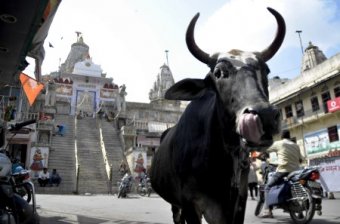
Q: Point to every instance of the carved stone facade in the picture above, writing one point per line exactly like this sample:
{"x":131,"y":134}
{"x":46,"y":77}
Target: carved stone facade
{"x":80,"y":88}
{"x":163,"y":82}
{"x":312,"y":57}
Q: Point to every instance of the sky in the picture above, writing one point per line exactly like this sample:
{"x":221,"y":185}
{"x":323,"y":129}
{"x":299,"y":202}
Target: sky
{"x":128,"y":38}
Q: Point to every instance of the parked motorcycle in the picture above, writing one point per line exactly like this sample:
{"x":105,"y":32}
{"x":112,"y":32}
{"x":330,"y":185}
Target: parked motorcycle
{"x":14,"y":204}
{"x":124,"y":186}
{"x":23,"y":183}
{"x":144,"y":187}
{"x":301,"y":198}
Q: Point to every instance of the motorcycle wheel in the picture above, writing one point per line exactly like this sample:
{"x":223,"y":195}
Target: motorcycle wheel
{"x":141,"y":191}
{"x":307,"y":213}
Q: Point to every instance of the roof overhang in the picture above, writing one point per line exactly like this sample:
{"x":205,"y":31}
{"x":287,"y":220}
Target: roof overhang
{"x":24,"y":26}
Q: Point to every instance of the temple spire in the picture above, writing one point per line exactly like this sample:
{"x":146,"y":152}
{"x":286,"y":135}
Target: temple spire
{"x":312,"y":57}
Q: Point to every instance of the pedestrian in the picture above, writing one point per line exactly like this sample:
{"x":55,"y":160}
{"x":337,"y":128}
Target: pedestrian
{"x":55,"y":178}
{"x":142,"y":175}
{"x":252,"y":179}
{"x":122,"y":168}
{"x":289,"y":158}
{"x":44,"y":177}
{"x":61,"y":130}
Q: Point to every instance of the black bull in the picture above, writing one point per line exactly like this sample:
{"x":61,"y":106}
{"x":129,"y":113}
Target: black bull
{"x":201,"y":166}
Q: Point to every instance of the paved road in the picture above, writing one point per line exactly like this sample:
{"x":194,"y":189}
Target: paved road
{"x":104,"y":209}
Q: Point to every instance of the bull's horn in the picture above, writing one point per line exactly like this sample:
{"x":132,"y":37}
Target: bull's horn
{"x":192,"y":46}
{"x":269,"y":52}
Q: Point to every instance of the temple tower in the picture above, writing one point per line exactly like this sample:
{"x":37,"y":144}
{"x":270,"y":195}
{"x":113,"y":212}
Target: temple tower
{"x":164,"y":81}
{"x":312,"y":57}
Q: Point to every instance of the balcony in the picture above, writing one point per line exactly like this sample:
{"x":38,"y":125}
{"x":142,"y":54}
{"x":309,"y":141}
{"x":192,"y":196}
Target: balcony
{"x":308,"y":117}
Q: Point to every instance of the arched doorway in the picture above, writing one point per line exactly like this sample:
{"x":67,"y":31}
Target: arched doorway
{"x":86,"y":103}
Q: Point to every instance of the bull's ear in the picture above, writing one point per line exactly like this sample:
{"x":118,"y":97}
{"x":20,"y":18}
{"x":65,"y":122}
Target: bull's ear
{"x":186,"y":89}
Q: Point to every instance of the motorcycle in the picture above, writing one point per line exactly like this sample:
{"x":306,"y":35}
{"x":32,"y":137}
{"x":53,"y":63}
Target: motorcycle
{"x":124,"y":186}
{"x":15,"y":206}
{"x":144,"y":187}
{"x":301,"y":198}
{"x":23,"y":183}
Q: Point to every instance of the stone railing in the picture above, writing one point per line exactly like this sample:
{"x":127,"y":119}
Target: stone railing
{"x":140,"y":124}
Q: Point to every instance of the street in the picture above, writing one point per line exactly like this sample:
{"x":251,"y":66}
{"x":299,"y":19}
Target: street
{"x":106,"y":209}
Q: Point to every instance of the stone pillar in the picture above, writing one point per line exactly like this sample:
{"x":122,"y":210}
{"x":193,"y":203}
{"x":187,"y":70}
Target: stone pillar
{"x":50,"y":97}
{"x":122,"y":104}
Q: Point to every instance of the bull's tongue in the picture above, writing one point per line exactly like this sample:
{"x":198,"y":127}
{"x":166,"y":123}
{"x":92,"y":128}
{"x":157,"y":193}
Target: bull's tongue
{"x":250,"y":127}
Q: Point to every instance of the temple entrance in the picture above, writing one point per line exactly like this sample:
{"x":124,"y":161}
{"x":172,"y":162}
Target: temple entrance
{"x":86,"y":103}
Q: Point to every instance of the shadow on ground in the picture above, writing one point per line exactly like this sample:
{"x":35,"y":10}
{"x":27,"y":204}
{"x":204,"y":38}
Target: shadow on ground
{"x":288,"y":220}
{"x":84,"y":220}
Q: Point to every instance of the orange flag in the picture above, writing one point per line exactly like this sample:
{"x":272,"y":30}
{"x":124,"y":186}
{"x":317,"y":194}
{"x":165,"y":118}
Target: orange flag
{"x":31,"y":87}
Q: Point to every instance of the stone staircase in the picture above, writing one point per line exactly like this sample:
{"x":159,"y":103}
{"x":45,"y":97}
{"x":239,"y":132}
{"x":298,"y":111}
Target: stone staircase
{"x":62,"y":158}
{"x":113,"y":148}
{"x":92,"y":173}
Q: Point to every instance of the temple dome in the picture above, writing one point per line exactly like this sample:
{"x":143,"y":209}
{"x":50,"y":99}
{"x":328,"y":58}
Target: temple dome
{"x":87,"y":68}
{"x":79,"y":52}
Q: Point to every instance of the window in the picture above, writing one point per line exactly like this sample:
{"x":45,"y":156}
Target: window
{"x":333,"y":134}
{"x":337,"y":91}
{"x":289,"y":111}
{"x":315,"y":103}
{"x":299,"y":108}
{"x":325,"y":96}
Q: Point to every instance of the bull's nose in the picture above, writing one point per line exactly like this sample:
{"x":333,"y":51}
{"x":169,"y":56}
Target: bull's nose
{"x":271,"y":117}
{"x":268,"y":113}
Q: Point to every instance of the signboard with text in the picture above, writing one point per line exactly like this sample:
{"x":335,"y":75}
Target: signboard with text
{"x":333,"y":105}
{"x":318,"y":143}
{"x":329,"y":173}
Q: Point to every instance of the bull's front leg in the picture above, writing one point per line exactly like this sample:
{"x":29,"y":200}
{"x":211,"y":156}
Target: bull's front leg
{"x":190,"y":214}
{"x":177,"y":216}
{"x":243,"y":192}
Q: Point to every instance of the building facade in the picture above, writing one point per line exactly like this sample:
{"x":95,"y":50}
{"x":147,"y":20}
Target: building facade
{"x":80,"y":88}
{"x":310,"y":108}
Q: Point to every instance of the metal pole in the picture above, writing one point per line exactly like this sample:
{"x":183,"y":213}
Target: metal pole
{"x":19,"y":112}
{"x":110,"y":179}
{"x":167,"y":59}
{"x":299,"y":33}
{"x":77,"y":180}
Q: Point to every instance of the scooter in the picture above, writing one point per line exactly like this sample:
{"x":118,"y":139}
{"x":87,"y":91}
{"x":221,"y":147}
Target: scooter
{"x":124,"y":186}
{"x":299,"y":194}
{"x":23,"y":184}
{"x":144,"y":187}
{"x":13,"y":207}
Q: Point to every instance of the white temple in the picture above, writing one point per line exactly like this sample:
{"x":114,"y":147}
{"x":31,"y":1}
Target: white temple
{"x":83,"y":86}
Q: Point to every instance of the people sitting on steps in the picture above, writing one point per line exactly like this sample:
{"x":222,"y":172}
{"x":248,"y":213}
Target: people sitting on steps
{"x":44,"y":177}
{"x":55,"y":178}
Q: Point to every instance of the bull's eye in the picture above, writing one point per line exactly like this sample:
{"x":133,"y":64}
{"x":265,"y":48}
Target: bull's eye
{"x":225,"y":74}
{"x":221,"y":72}
{"x":223,"y":69}
{"x":218,"y":73}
